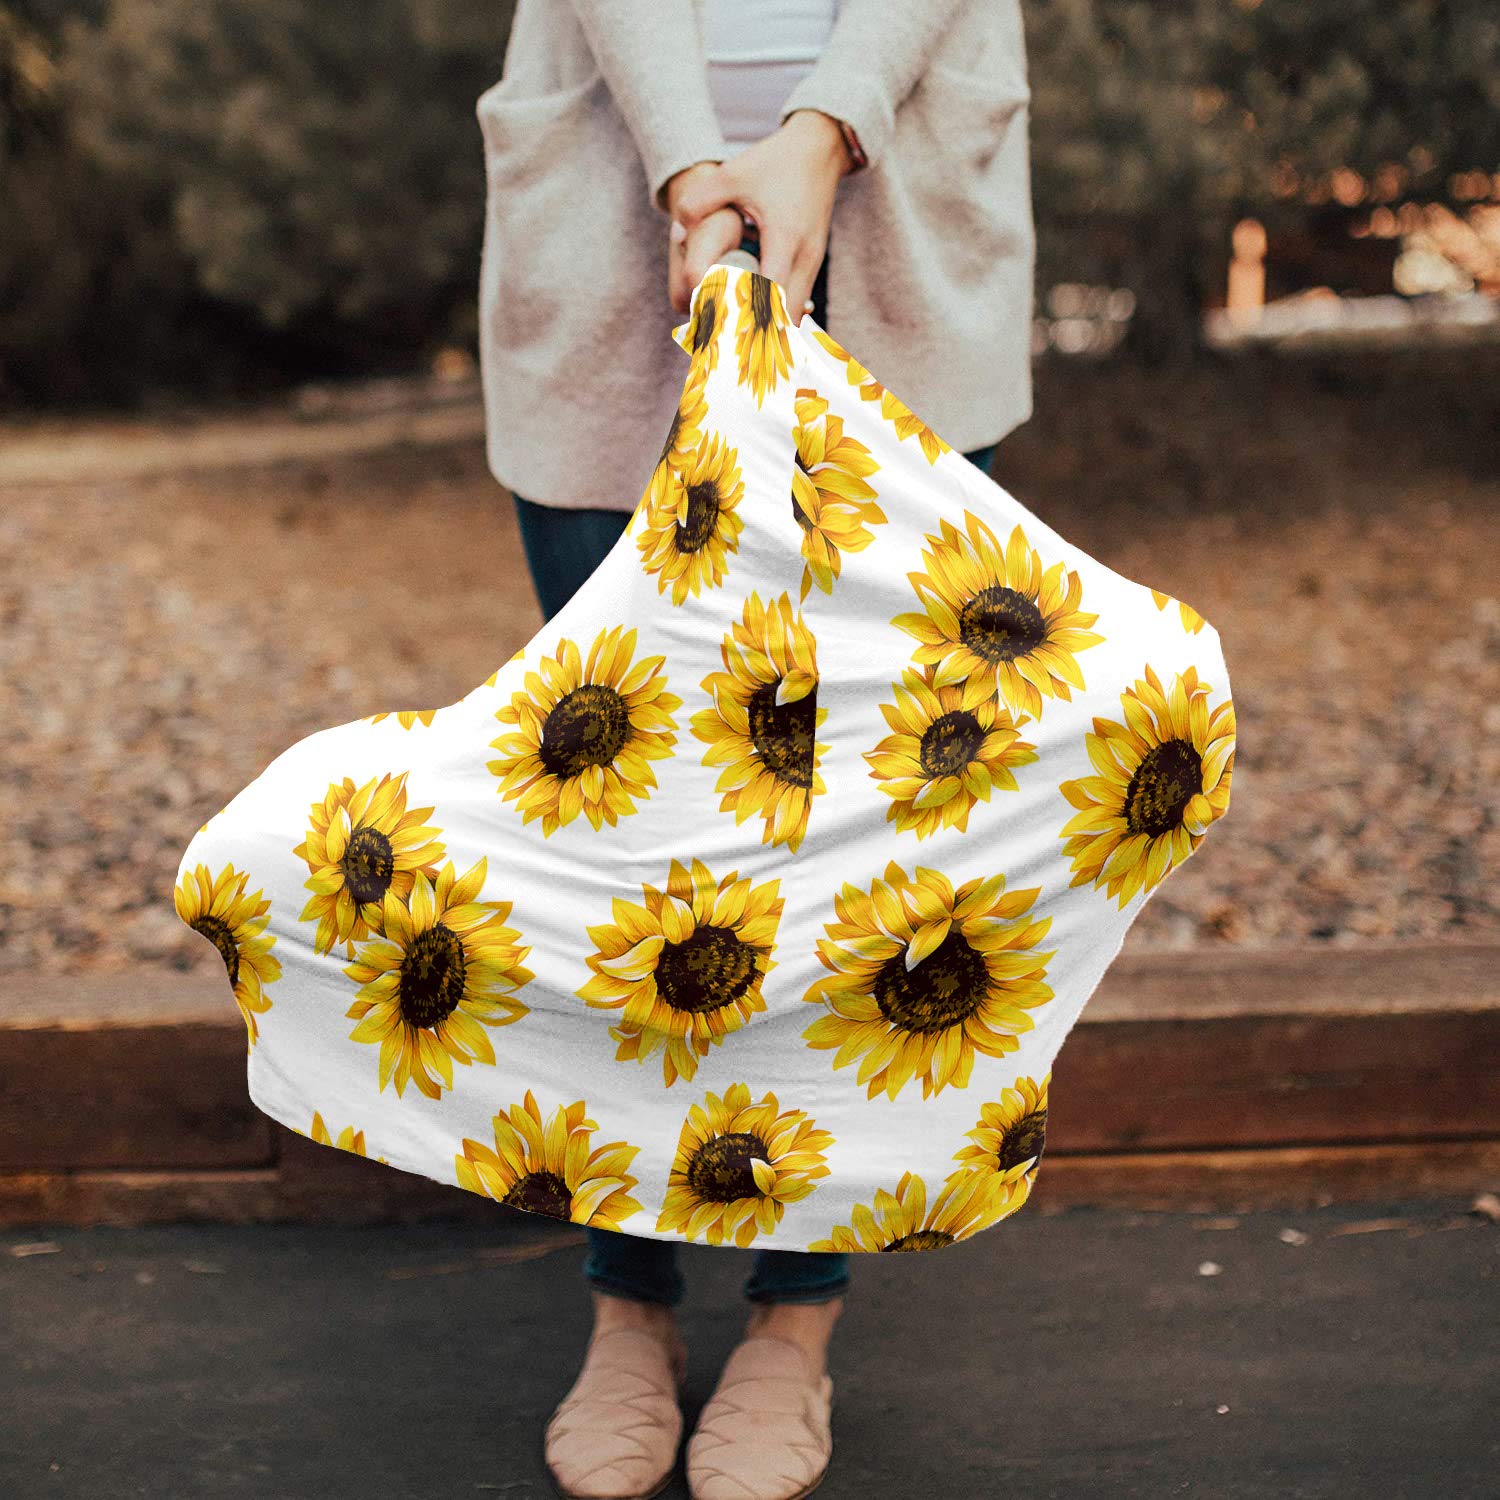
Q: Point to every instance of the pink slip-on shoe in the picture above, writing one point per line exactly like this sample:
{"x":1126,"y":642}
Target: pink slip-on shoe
{"x":765,"y":1433}
{"x":614,"y":1436}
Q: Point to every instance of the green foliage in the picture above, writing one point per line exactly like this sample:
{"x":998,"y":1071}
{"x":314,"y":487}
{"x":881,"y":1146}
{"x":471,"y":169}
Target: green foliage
{"x":302,"y":184}
{"x":1133,"y":98}
{"x":319,"y":167}
{"x":1156,"y":125}
{"x":84,"y":282}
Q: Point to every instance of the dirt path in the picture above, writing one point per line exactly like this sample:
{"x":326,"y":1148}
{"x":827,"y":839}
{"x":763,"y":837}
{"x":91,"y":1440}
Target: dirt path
{"x":167,"y":630}
{"x":314,"y":427}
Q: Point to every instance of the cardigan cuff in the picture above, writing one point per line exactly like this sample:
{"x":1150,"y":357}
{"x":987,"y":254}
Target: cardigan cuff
{"x":672,"y":154}
{"x":860,"y":101}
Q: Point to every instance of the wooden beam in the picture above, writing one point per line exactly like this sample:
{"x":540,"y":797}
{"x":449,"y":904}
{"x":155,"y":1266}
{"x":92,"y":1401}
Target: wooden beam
{"x":1206,"y":1049}
{"x":1185,"y":1181}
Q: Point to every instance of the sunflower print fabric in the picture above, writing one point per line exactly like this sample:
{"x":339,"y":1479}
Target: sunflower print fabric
{"x":446,"y":968}
{"x":688,"y":531}
{"x":686,"y":966}
{"x":831,"y":497}
{"x":750,"y":902}
{"x":738,"y":1165}
{"x":763,"y":725}
{"x":585,"y":733}
{"x":550,"y":1165}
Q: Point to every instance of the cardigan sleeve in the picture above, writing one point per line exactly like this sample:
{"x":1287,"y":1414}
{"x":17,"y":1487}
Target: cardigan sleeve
{"x":651,"y":56}
{"x":874,"y":57}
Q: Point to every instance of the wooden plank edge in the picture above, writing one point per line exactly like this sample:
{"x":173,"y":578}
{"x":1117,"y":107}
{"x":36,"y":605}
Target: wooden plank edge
{"x":252,"y":1196}
{"x":1240,"y":1181}
{"x":1191,"y":984}
{"x":1178,"y":1181}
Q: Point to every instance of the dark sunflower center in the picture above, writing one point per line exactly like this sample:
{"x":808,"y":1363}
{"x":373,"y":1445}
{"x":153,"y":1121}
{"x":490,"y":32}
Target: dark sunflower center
{"x":217,"y":932}
{"x":760,"y":300}
{"x":541,"y":1193}
{"x":588,"y":727}
{"x":947,"y":987}
{"x":998,"y":624}
{"x":673,"y":428}
{"x":703,"y":329}
{"x":1024,"y":1139}
{"x":702,"y":516}
{"x":720,"y":1170}
{"x":782,"y":734}
{"x":432,"y":977}
{"x":710,"y":969}
{"x":368,"y":865}
{"x":1169,"y":776}
{"x":950,"y":743}
{"x":921,"y":1239}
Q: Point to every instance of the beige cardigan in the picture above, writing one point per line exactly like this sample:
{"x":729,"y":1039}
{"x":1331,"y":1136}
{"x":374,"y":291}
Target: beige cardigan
{"x":930,"y":249}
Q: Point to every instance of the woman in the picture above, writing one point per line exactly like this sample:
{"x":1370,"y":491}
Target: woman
{"x":879,"y":154}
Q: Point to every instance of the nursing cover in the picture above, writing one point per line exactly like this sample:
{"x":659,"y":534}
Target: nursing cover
{"x":751,"y":901}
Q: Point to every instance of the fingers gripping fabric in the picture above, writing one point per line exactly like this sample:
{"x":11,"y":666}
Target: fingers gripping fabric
{"x":752,"y":900}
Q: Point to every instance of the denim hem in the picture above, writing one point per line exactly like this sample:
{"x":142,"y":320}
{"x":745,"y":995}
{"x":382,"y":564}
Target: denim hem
{"x":810,"y":1295}
{"x":633,"y":1291}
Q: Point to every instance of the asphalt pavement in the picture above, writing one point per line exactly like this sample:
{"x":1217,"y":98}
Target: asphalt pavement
{"x":1343,"y":1352}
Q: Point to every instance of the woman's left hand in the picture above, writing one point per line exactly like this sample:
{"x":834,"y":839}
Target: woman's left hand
{"x":786,"y":184}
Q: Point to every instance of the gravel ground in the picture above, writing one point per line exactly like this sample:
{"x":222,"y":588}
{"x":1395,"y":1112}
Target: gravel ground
{"x":162,"y":639}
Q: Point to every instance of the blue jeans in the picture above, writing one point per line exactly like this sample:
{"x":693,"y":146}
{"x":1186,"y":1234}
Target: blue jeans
{"x":626,"y":1265}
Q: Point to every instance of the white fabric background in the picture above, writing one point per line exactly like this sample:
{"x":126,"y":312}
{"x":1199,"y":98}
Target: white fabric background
{"x":562,"y":1051}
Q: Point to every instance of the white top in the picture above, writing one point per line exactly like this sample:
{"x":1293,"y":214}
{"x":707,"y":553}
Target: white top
{"x":757,"y":52}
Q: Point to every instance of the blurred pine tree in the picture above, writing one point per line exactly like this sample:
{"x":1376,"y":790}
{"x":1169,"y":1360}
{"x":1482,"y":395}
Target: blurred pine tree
{"x":1158,"y":123}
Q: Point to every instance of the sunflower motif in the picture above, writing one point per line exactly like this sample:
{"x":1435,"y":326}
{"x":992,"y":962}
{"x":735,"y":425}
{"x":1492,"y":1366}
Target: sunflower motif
{"x":552,"y":1166}
{"x":830,"y":499}
{"x":764,"y":721}
{"x":362,"y":843}
{"x":683,"y":435}
{"x":234,"y":921}
{"x":924,"y":976}
{"x":892,"y":408}
{"x":348,"y":1139}
{"x":406,"y":717}
{"x":997,"y":613}
{"x":951,"y":746}
{"x":738,"y":1165}
{"x":686,"y":428}
{"x":585,"y":733}
{"x":688,"y":525}
{"x":1163,"y":777}
{"x":1010,"y":1135}
{"x":760,"y":336}
{"x":1192,"y":621}
{"x":687,"y":967}
{"x":902,"y":1221}
{"x":700,"y":334}
{"x":436,"y":979}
